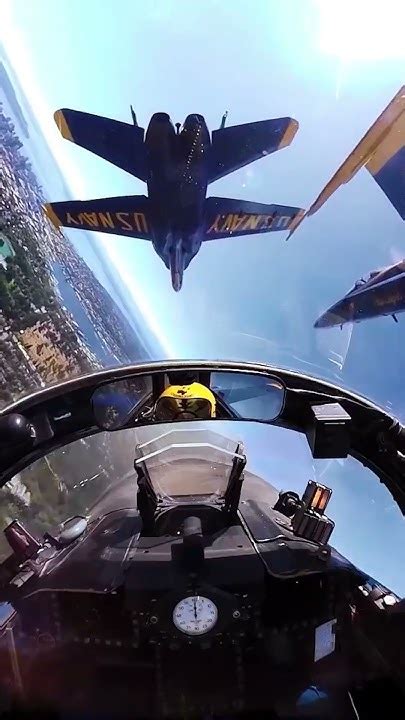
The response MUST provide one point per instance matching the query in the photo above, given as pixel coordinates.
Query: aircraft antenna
(134, 120)
(223, 121)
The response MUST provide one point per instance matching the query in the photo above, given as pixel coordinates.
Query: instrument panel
(118, 588)
(119, 599)
(93, 619)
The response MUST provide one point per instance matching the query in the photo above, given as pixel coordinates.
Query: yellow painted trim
(392, 143)
(62, 125)
(289, 134)
(364, 150)
(51, 215)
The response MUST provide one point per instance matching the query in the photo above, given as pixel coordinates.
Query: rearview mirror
(251, 397)
(114, 403)
(238, 396)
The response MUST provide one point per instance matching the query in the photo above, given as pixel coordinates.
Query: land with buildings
(41, 340)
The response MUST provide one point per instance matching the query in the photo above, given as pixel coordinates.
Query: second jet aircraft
(177, 164)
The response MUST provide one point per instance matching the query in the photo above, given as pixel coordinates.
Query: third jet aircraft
(177, 164)
(382, 151)
(382, 293)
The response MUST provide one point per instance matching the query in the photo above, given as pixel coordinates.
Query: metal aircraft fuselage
(383, 293)
(177, 183)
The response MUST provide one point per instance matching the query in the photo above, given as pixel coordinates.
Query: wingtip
(62, 125)
(51, 215)
(289, 134)
(368, 151)
(330, 319)
(296, 222)
(322, 322)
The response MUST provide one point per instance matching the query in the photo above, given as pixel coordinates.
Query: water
(73, 304)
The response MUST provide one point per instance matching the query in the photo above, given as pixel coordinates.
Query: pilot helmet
(185, 402)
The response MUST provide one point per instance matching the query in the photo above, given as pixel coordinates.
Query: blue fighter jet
(382, 293)
(382, 152)
(177, 164)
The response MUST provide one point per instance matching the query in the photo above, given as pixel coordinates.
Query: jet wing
(225, 217)
(382, 152)
(130, 216)
(117, 142)
(235, 147)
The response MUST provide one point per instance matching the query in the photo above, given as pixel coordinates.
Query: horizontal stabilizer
(128, 216)
(117, 142)
(237, 146)
(382, 152)
(225, 217)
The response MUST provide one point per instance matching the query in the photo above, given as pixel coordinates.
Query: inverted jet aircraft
(177, 165)
(382, 152)
(382, 293)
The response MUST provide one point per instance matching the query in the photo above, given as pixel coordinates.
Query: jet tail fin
(226, 217)
(130, 215)
(117, 142)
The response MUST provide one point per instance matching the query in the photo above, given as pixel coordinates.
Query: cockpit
(147, 541)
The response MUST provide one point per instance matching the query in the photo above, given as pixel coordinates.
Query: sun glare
(362, 29)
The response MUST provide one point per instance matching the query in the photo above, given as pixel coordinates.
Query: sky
(331, 65)
(168, 55)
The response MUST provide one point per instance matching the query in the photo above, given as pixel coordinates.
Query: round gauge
(195, 615)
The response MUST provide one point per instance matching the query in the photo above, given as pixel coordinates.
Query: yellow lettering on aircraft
(114, 221)
(90, 219)
(227, 224)
(252, 222)
(70, 219)
(121, 217)
(267, 221)
(214, 227)
(235, 222)
(140, 222)
(106, 220)
(283, 221)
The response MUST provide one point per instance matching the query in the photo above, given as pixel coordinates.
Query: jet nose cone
(321, 322)
(329, 319)
(177, 281)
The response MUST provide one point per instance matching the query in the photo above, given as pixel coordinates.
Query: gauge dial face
(195, 615)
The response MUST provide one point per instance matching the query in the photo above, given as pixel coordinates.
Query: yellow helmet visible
(186, 402)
